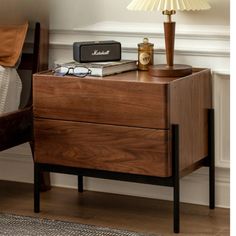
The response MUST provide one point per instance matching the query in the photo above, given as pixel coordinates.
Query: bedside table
(128, 126)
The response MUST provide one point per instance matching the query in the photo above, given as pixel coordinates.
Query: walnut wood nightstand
(128, 126)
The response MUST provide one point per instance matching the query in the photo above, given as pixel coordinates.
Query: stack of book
(103, 68)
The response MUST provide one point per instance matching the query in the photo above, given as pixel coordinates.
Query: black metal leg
(80, 184)
(45, 181)
(176, 177)
(211, 150)
(36, 188)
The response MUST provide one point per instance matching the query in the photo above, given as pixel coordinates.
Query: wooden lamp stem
(170, 69)
(169, 28)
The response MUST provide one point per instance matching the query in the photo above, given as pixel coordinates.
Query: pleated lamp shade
(169, 5)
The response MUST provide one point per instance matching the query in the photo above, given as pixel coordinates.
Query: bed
(16, 124)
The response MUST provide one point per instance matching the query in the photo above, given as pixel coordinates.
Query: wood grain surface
(190, 97)
(103, 147)
(137, 104)
(122, 122)
(15, 128)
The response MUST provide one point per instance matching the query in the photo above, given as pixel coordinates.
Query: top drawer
(101, 100)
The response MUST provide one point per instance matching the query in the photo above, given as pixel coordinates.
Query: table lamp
(169, 8)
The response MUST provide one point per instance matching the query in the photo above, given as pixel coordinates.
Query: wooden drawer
(107, 101)
(103, 147)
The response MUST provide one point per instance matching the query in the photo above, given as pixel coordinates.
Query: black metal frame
(211, 157)
(173, 181)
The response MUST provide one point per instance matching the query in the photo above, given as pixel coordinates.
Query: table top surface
(131, 76)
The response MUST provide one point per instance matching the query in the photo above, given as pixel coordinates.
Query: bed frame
(17, 127)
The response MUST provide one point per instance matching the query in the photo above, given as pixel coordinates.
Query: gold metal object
(169, 14)
(145, 54)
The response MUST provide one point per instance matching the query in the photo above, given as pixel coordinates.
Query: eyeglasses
(79, 71)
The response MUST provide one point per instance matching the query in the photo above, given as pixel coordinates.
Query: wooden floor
(124, 212)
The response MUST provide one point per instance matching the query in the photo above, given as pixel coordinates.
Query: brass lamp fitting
(169, 14)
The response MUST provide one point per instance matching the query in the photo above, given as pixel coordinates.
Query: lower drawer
(103, 147)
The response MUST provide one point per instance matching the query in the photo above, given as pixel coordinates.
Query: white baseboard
(17, 165)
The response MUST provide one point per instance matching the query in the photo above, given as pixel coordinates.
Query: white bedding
(10, 89)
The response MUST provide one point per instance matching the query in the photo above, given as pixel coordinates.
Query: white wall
(76, 13)
(202, 40)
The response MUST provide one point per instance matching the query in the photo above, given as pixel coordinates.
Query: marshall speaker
(97, 51)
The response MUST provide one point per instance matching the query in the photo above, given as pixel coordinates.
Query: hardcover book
(103, 68)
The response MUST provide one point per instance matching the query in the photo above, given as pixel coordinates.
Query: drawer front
(103, 101)
(103, 147)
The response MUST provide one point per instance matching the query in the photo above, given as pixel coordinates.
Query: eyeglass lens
(81, 71)
(77, 71)
(61, 70)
